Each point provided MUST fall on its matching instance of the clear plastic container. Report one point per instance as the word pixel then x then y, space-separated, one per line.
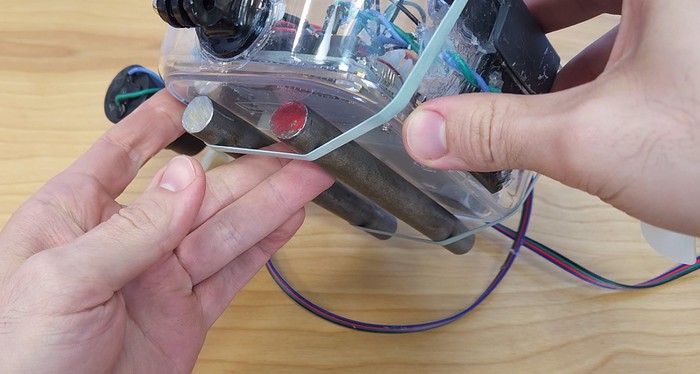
pixel 363 66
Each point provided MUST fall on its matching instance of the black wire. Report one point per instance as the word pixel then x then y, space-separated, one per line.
pixel 291 18
pixel 400 6
pixel 418 8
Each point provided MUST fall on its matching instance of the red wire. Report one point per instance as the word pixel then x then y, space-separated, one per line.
pixel 285 29
pixel 283 23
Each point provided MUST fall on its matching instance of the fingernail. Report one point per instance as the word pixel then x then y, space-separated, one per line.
pixel 426 135
pixel 179 174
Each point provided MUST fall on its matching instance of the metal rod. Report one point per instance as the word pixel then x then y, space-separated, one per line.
pixel 297 125
pixel 214 124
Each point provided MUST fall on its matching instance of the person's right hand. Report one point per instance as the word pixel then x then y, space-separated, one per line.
pixel 624 124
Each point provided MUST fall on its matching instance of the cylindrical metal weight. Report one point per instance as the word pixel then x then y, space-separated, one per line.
pixel 297 125
pixel 214 124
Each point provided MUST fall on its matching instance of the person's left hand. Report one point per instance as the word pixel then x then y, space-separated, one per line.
pixel 87 285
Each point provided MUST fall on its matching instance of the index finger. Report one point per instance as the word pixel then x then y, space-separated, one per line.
pixel 555 15
pixel 116 157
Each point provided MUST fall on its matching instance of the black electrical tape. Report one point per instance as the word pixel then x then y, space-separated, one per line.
pixel 124 83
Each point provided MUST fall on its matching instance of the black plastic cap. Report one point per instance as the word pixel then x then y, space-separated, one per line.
pixel 139 80
pixel 124 83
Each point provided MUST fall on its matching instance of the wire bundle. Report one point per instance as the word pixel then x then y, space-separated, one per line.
pixel 452 58
pixel 519 240
pixel 387 328
pixel 395 37
pixel 589 276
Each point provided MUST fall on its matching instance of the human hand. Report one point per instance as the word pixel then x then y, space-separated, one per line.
pixel 624 124
pixel 87 285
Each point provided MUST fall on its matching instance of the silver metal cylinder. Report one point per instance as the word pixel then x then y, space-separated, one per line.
pixel 214 124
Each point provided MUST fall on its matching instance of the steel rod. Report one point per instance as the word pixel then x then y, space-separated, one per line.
pixel 304 130
pixel 214 124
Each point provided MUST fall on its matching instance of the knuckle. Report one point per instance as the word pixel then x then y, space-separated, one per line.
pixel 111 140
pixel 227 231
pixel 53 282
pixel 222 190
pixel 586 149
pixel 45 268
pixel 143 216
pixel 580 140
pixel 161 110
pixel 282 200
pixel 43 203
pixel 483 138
pixel 279 237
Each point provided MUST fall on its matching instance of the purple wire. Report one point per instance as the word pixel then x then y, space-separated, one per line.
pixel 385 328
pixel 587 276
pixel 365 326
pixel 531 246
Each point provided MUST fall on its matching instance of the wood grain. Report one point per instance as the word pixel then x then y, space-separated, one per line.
pixel 57 59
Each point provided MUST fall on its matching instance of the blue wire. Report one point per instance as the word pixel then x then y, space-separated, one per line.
pixel 479 80
pixel 140 69
pixel 380 39
pixel 449 59
pixel 383 40
pixel 387 25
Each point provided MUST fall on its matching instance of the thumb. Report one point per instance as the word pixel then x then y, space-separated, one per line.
pixel 121 248
pixel 487 132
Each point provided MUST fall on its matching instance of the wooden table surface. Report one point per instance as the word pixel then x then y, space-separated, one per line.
pixel 56 60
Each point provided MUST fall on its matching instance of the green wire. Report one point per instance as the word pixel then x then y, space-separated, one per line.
pixel 463 67
pixel 131 95
pixel 467 72
pixel 406 37
pixel 658 281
